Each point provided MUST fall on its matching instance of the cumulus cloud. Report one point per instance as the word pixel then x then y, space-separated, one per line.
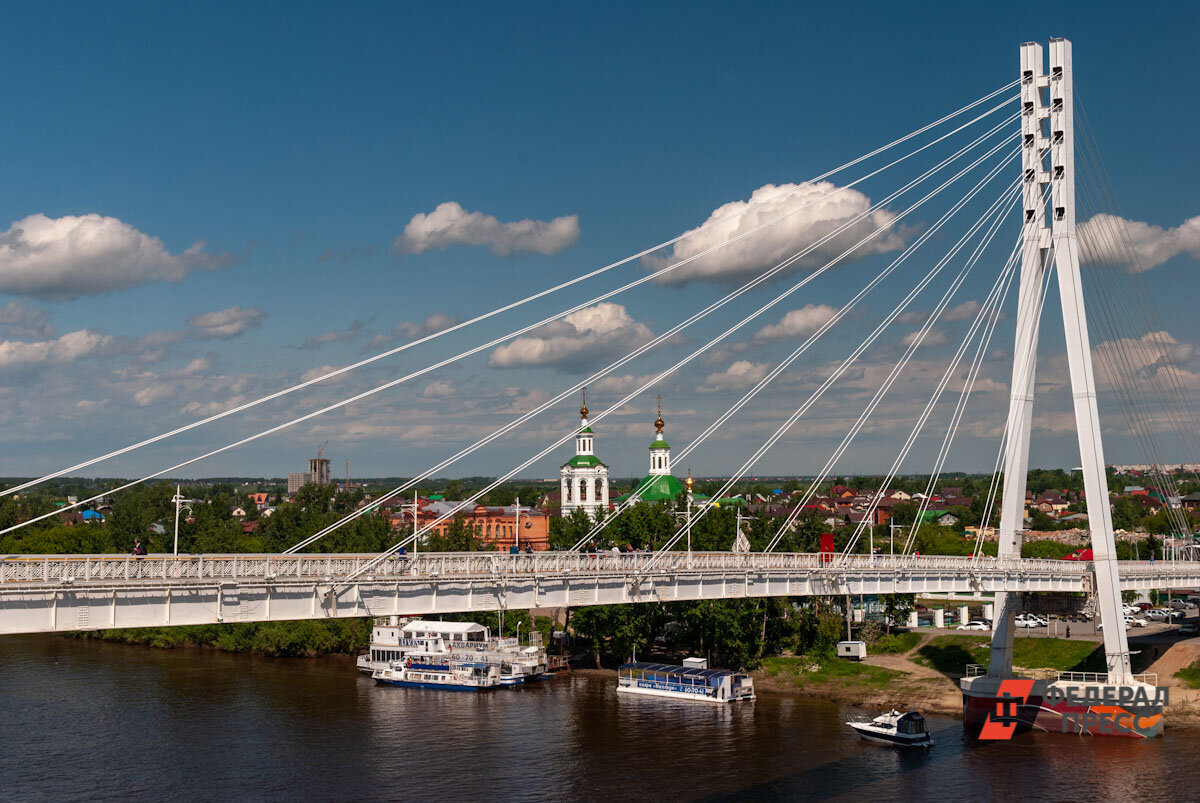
pixel 741 374
pixel 1139 360
pixel 225 323
pixel 576 340
pixel 411 331
pixel 349 333
pixel 18 319
pixel 55 351
pixel 813 211
pixel 73 256
pixel 619 383
pixel 152 394
pixel 798 323
pixel 1102 240
pixel 449 224
pixel 439 389
pixel 934 337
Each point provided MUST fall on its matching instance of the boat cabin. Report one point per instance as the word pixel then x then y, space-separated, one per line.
pixel 684 682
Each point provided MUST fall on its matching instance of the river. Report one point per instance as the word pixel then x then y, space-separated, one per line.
pixel 85 720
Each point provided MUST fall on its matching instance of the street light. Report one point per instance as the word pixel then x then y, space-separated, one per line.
pixel 179 505
pixel 517 522
pixel 689 510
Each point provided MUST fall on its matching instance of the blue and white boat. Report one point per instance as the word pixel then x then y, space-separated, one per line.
pixel 693 681
pixel 431 674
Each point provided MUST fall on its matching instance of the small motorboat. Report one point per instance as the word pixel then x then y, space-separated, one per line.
pixel 894 728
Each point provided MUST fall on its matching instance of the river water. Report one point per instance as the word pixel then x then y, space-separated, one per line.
pixel 82 720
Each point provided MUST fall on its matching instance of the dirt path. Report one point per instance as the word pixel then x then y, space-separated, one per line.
pixel 905 663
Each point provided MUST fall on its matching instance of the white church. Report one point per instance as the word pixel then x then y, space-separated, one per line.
pixel 584 479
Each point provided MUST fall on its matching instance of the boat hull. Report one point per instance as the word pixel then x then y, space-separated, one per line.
pixel 414 684
pixel 678 695
pixel 893 739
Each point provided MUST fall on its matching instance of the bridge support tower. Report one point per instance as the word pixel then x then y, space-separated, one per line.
pixel 1049 244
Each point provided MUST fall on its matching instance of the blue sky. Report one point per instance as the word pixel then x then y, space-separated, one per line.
pixel 297 141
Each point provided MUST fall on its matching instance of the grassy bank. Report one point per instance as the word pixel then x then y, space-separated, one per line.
pixel 275 639
pixel 1190 675
pixel 951 654
pixel 895 644
pixel 829 672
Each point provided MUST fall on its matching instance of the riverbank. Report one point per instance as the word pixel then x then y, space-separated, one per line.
pixel 926 676
pixel 301 639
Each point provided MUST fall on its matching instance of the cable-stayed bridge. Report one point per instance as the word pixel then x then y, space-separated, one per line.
pixel 72 592
pixel 1009 159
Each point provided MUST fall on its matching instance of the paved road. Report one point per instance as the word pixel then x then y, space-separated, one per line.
pixel 1154 632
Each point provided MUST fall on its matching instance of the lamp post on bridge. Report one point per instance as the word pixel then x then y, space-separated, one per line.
pixel 179 502
pixel 517 522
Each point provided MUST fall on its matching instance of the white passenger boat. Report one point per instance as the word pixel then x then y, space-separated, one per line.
pixel 894 728
pixel 423 641
pixel 449 675
pixel 693 681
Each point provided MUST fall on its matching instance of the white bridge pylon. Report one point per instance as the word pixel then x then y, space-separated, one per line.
pixel 1049 243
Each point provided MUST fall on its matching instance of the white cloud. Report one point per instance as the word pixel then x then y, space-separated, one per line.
pixel 449 224
pixel 18 319
pixel 798 323
pixel 1102 240
pixel 320 370
pixel 578 339
pixel 56 351
pixel 153 393
pixel 313 343
pixel 803 227
pixel 1139 360
pixel 72 256
pixel 934 337
pixel 619 383
pixel 200 365
pixel 411 331
pixel 439 389
pixel 741 374
pixel 225 323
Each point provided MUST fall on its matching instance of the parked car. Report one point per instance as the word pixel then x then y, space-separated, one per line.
pixel 1156 613
pixel 974 624
pixel 1182 604
pixel 1135 621
pixel 1143 606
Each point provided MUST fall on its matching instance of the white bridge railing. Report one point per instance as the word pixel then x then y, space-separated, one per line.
pixel 200 568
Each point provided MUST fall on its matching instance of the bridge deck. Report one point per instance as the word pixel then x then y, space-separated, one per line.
pixel 40 593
